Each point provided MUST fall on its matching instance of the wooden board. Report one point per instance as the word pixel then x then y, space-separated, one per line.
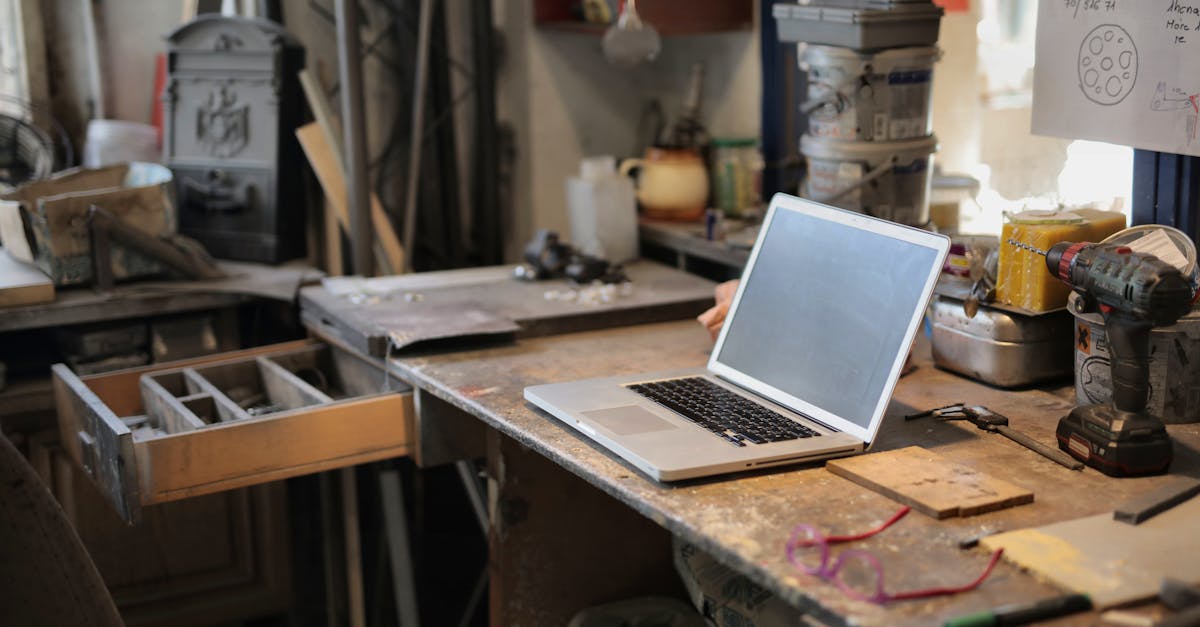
pixel 1112 562
pixel 930 483
pixel 329 173
pixel 367 312
pixel 22 284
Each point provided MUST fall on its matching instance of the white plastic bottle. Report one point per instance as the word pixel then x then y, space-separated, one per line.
pixel 603 211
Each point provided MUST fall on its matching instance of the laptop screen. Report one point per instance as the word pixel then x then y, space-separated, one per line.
pixel 826 309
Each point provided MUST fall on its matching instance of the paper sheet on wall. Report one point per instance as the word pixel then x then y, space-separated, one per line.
pixel 1120 71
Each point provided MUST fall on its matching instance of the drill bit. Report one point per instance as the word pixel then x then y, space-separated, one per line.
pixel 1026 247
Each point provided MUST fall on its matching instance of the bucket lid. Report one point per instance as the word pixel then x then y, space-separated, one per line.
pixel 817 54
pixel 906 12
pixel 1158 239
pixel 841 150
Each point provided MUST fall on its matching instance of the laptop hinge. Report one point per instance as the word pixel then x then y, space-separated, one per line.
pixel 794 411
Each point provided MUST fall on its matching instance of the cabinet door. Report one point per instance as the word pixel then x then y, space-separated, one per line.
pixel 210 559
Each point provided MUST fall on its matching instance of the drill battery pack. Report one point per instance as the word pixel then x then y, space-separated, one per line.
pixel 1137 447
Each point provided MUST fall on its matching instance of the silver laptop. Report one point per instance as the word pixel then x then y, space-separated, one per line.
pixel 806 362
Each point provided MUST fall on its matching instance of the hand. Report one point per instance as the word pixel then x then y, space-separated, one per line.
pixel 714 318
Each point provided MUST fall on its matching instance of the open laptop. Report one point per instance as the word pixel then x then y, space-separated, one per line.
pixel 806 362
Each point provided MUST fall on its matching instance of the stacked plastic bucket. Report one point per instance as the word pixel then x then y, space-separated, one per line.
pixel 870 143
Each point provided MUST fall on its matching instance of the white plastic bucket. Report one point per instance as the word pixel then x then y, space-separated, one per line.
pixel 1174 365
pixel 888 180
pixel 882 96
pixel 110 142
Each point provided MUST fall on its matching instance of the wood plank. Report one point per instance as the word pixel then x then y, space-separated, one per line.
pixel 22 284
pixel 333 181
pixel 385 234
pixel 37 76
pixel 333 240
pixel 278 446
pixel 930 483
pixel 1112 562
pixel 323 116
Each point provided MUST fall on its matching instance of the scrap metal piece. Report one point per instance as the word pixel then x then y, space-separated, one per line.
pixel 1150 504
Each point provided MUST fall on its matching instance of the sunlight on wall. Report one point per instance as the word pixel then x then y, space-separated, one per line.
pixel 1018 170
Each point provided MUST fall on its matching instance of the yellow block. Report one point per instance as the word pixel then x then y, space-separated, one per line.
pixel 1023 280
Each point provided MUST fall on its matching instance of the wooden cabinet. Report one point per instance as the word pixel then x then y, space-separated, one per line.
pixel 202 561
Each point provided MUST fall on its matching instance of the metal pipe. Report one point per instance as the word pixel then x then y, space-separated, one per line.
pixel 354 574
pixel 91 42
pixel 354 133
pixel 424 35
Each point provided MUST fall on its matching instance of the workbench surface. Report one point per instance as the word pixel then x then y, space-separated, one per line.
pixel 81 304
pixel 745 520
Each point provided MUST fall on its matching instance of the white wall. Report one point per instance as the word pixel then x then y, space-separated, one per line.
pixel 564 102
pixel 131 33
pixel 957 92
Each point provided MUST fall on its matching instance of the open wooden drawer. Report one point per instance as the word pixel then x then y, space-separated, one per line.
pixel 171 431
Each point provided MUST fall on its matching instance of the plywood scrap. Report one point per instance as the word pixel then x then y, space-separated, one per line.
pixel 1112 562
pixel 387 244
pixel 929 483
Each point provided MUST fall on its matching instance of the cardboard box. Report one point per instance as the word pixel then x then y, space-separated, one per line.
pixel 45 222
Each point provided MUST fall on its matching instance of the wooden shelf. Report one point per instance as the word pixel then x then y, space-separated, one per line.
pixel 669 17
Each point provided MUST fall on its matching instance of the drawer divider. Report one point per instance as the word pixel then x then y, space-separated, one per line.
pixel 227 409
pixel 166 411
pixel 286 389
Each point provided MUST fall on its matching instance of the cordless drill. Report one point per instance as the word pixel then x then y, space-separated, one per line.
pixel 1134 292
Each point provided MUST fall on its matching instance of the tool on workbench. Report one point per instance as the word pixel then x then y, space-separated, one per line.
pixel 1182 597
pixel 1134 292
pixel 989 420
pixel 177 252
pixel 1025 613
pixel 547 257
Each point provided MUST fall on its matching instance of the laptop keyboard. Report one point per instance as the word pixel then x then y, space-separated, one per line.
pixel 727 415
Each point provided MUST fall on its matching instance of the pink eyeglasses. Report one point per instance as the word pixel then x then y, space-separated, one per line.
pixel 857 572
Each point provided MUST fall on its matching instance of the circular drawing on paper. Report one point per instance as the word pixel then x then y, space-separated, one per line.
pixel 1108 64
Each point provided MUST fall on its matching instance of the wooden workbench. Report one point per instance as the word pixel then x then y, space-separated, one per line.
pixel 553 535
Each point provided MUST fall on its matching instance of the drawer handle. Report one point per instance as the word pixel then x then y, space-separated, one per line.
pixel 87 449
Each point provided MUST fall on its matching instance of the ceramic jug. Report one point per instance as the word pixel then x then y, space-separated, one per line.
pixel 672 183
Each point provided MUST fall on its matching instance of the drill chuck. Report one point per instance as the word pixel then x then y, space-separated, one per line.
pixel 1132 284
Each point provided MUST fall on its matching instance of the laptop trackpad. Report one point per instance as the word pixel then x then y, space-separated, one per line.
pixel 628 420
